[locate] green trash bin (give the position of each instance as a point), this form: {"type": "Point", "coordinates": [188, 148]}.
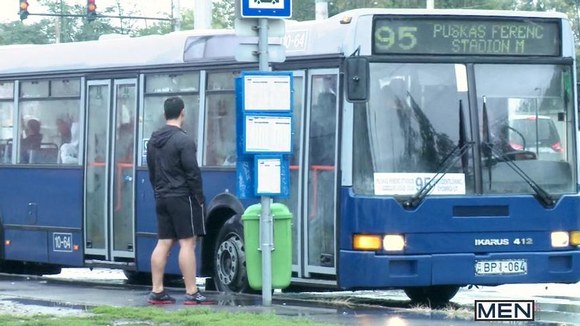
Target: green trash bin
{"type": "Point", "coordinates": [282, 253]}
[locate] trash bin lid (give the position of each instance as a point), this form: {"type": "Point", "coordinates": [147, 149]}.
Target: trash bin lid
{"type": "Point", "coordinates": [279, 212]}
{"type": "Point", "coordinates": [253, 212]}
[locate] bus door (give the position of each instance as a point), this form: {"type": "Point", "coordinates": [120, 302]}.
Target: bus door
{"type": "Point", "coordinates": [110, 169]}
{"type": "Point", "coordinates": [320, 175]}
{"type": "Point", "coordinates": [293, 201]}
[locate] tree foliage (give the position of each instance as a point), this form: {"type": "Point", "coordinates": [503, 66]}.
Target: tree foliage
{"type": "Point", "coordinates": [75, 29]}
{"type": "Point", "coordinates": [223, 14]}
{"type": "Point", "coordinates": [18, 33]}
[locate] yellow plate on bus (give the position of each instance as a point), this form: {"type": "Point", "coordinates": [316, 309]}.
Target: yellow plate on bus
{"type": "Point", "coordinates": [501, 267]}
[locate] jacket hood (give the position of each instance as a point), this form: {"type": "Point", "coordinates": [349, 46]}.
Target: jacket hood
{"type": "Point", "coordinates": [160, 137]}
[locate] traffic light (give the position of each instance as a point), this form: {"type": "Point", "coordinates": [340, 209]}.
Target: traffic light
{"type": "Point", "coordinates": [23, 13]}
{"type": "Point", "coordinates": [91, 10]}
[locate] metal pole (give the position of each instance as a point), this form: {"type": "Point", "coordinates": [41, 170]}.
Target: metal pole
{"type": "Point", "coordinates": [266, 226]}
{"type": "Point", "coordinates": [321, 9]}
{"type": "Point", "coordinates": [176, 15]}
{"type": "Point", "coordinates": [60, 24]}
{"type": "Point", "coordinates": [263, 45]}
{"type": "Point", "coordinates": [202, 14]}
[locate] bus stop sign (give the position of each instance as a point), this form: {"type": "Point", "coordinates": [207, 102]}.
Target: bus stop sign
{"type": "Point", "coordinates": [266, 9]}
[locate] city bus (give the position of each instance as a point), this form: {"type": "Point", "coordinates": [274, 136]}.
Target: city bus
{"type": "Point", "coordinates": [408, 170]}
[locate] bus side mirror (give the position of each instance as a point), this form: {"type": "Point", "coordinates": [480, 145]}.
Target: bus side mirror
{"type": "Point", "coordinates": [357, 79]}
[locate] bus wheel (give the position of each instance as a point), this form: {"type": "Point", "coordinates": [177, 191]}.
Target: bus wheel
{"type": "Point", "coordinates": [435, 295]}
{"type": "Point", "coordinates": [230, 261]}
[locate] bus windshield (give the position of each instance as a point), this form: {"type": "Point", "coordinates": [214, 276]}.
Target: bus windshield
{"type": "Point", "coordinates": [418, 114]}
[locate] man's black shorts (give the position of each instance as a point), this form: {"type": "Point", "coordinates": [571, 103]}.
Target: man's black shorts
{"type": "Point", "coordinates": [179, 218]}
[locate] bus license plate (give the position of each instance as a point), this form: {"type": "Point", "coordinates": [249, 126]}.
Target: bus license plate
{"type": "Point", "coordinates": [501, 267]}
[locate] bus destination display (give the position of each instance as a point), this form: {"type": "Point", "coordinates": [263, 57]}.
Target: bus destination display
{"type": "Point", "coordinates": [470, 36]}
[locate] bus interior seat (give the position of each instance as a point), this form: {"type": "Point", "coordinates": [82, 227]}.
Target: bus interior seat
{"type": "Point", "coordinates": [46, 154]}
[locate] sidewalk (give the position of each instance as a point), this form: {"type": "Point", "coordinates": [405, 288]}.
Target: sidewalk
{"type": "Point", "coordinates": [60, 297]}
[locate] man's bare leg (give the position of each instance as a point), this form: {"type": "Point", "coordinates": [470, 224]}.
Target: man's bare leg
{"type": "Point", "coordinates": [158, 262]}
{"type": "Point", "coordinates": [187, 263]}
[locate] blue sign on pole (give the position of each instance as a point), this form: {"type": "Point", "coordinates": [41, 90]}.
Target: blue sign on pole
{"type": "Point", "coordinates": [266, 8]}
{"type": "Point", "coordinates": [263, 134]}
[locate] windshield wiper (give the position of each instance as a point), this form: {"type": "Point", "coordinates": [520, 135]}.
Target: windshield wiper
{"type": "Point", "coordinates": [541, 195]}
{"type": "Point", "coordinates": [458, 152]}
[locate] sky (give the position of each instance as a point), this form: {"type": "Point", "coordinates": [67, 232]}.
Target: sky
{"type": "Point", "coordinates": [148, 8]}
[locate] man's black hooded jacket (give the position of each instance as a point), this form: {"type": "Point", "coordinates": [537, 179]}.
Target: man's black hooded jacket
{"type": "Point", "coordinates": [172, 163]}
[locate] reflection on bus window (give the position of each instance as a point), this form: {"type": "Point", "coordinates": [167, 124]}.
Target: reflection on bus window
{"type": "Point", "coordinates": [530, 118]}
{"type": "Point", "coordinates": [411, 124]}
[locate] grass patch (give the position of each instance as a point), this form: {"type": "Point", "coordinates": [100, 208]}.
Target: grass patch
{"type": "Point", "coordinates": [449, 311]}
{"type": "Point", "coordinates": [156, 316]}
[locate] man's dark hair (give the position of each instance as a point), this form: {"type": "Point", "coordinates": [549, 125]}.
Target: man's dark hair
{"type": "Point", "coordinates": [173, 107]}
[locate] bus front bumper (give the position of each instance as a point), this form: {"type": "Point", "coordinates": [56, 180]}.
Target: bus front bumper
{"type": "Point", "coordinates": [367, 270]}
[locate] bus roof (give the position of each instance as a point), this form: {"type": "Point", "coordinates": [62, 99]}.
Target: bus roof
{"type": "Point", "coordinates": [452, 12]}
{"type": "Point", "coordinates": [321, 37]}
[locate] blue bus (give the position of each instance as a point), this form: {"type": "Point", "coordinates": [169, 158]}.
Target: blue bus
{"type": "Point", "coordinates": [432, 150]}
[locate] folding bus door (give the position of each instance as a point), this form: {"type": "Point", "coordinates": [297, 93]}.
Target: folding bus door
{"type": "Point", "coordinates": [320, 175]}
{"type": "Point", "coordinates": [110, 169]}
{"type": "Point", "coordinates": [293, 201]}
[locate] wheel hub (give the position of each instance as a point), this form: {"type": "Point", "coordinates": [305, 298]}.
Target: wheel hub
{"type": "Point", "coordinates": [227, 261]}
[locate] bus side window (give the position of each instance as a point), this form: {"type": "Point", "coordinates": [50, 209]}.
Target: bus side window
{"type": "Point", "coordinates": [219, 147]}
{"type": "Point", "coordinates": [159, 87]}
{"type": "Point", "coordinates": [322, 133]}
{"type": "Point", "coordinates": [220, 131]}
{"type": "Point", "coordinates": [48, 109]}
{"type": "Point", "coordinates": [6, 121]}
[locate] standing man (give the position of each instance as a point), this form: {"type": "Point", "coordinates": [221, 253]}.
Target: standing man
{"type": "Point", "coordinates": [176, 180]}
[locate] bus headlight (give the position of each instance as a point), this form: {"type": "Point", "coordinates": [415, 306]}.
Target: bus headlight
{"type": "Point", "coordinates": [560, 239]}
{"type": "Point", "coordinates": [393, 242]}
{"type": "Point", "coordinates": [366, 242]}
{"type": "Point", "coordinates": [575, 238]}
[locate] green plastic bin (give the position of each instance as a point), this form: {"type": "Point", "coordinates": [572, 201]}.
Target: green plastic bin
{"type": "Point", "coordinates": [282, 253]}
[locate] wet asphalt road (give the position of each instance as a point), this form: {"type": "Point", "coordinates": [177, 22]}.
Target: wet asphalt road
{"type": "Point", "coordinates": [557, 304]}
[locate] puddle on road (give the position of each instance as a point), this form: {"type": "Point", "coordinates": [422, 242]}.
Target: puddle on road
{"type": "Point", "coordinates": [569, 308]}
{"type": "Point", "coordinates": [46, 303]}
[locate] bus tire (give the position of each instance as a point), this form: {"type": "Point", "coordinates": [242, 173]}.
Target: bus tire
{"type": "Point", "coordinates": [434, 295]}
{"type": "Point", "coordinates": [229, 268]}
